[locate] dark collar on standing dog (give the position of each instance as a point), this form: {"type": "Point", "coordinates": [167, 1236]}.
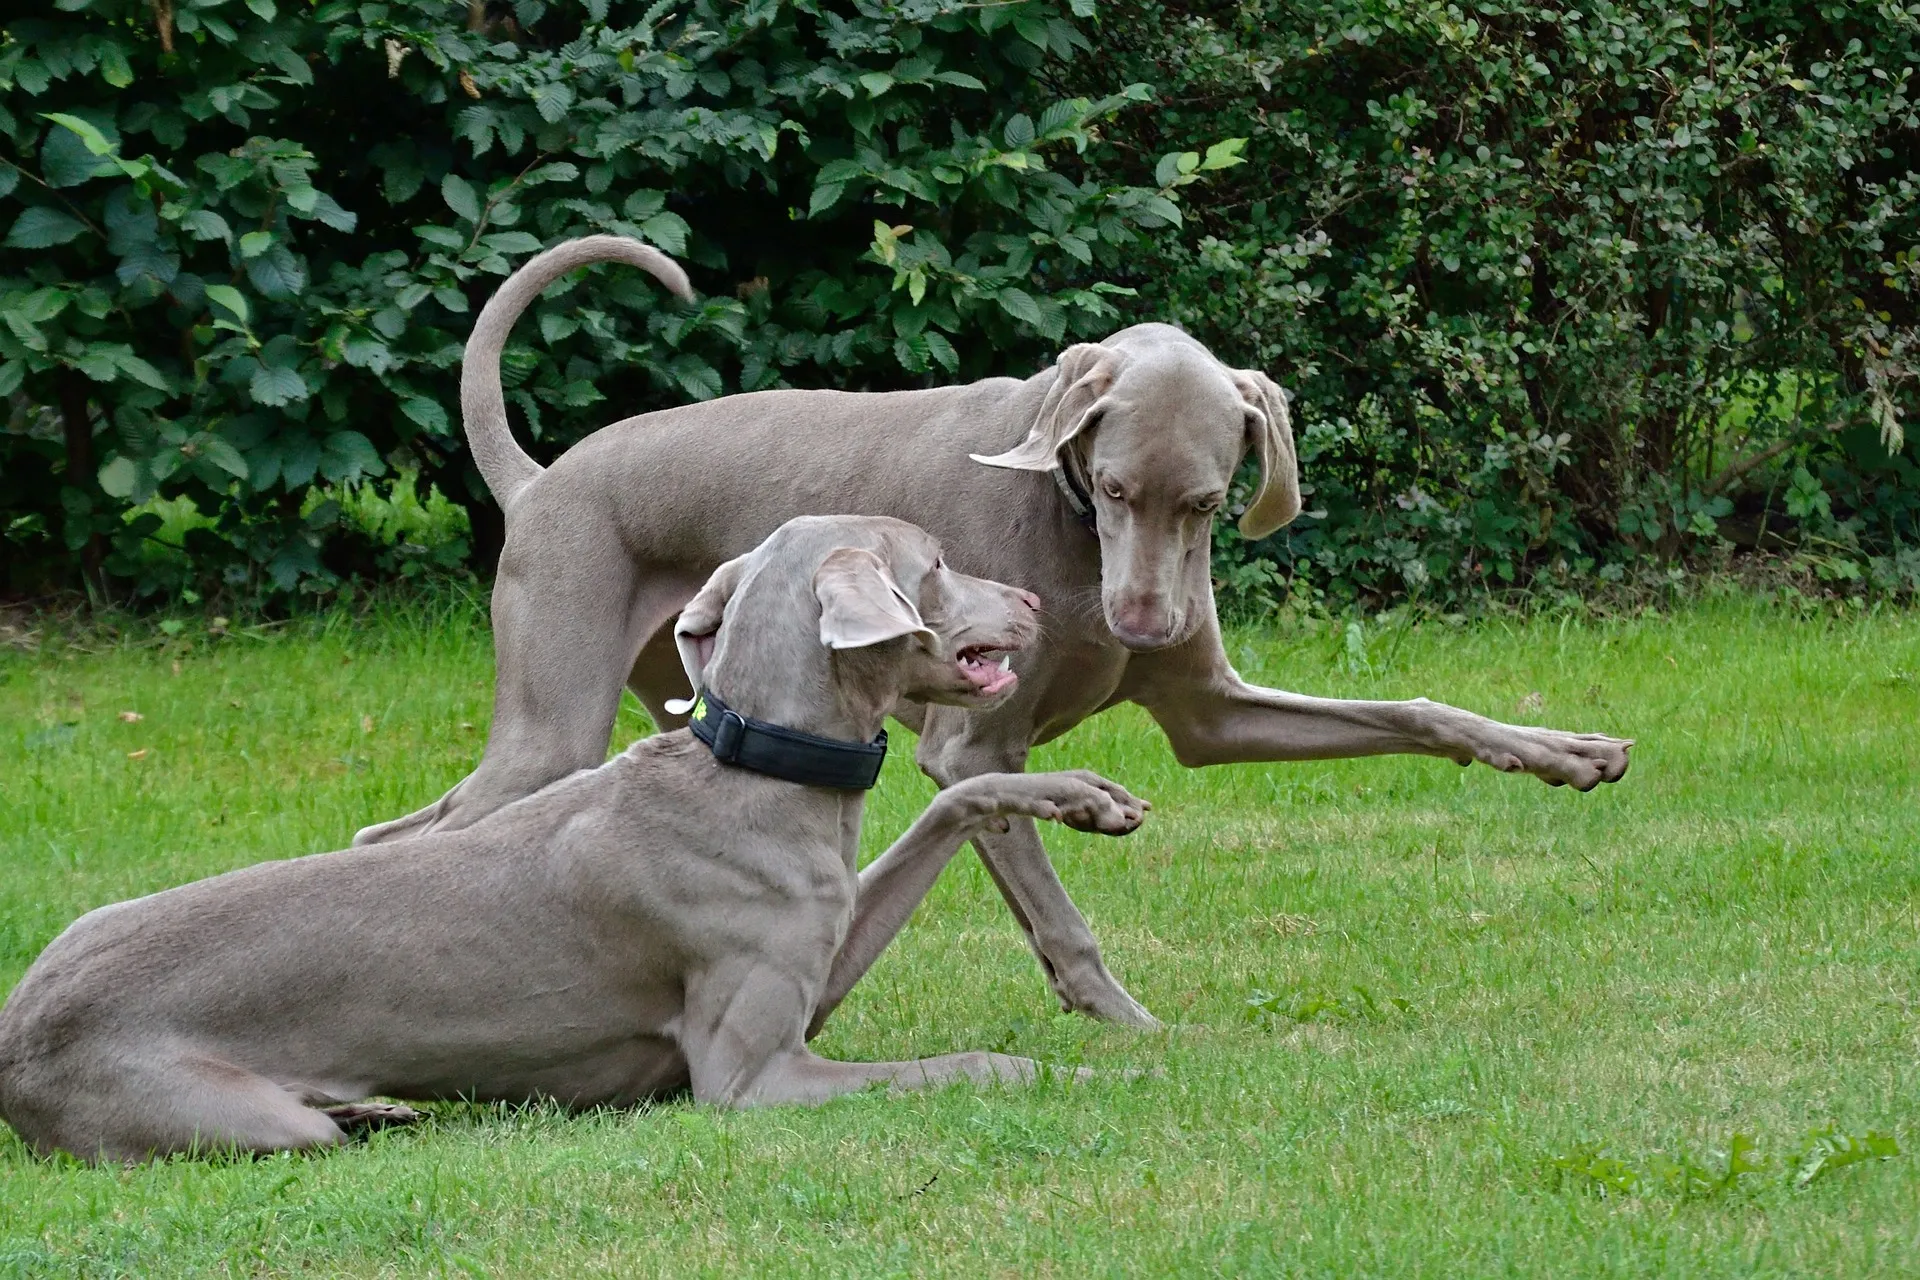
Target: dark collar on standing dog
{"type": "Point", "coordinates": [783, 753]}
{"type": "Point", "coordinates": [1079, 501]}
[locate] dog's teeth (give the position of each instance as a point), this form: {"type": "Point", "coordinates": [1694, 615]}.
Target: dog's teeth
{"type": "Point", "coordinates": [1006, 663]}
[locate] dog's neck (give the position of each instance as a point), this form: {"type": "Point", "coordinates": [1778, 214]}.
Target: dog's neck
{"type": "Point", "coordinates": [801, 686]}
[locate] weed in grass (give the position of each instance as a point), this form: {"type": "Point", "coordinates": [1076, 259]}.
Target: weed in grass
{"type": "Point", "coordinates": [1827, 1150]}
{"type": "Point", "coordinates": [1591, 1166]}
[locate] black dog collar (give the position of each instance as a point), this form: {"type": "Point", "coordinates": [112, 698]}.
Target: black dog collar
{"type": "Point", "coordinates": [787, 754]}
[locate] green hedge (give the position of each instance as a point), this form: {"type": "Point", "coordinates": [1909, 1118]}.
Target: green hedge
{"type": "Point", "coordinates": [1562, 291]}
{"type": "Point", "coordinates": [245, 241]}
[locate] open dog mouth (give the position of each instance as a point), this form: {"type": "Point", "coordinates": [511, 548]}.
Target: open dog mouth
{"type": "Point", "coordinates": [988, 669]}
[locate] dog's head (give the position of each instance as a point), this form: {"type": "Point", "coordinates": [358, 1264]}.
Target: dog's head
{"type": "Point", "coordinates": [1153, 426]}
{"type": "Point", "coordinates": [847, 615]}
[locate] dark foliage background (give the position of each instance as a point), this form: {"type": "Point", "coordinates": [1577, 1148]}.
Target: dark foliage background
{"type": "Point", "coordinates": [1565, 290]}
{"type": "Point", "coordinates": [1565, 293]}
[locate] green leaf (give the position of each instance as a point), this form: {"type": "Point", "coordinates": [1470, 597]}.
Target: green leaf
{"type": "Point", "coordinates": [277, 273]}
{"type": "Point", "coordinates": [1019, 304]}
{"type": "Point", "coordinates": [668, 230]}
{"type": "Point", "coordinates": [113, 65]}
{"type": "Point", "coordinates": [255, 243]}
{"type": "Point", "coordinates": [512, 242]}
{"type": "Point", "coordinates": [43, 304]}
{"type": "Point", "coordinates": [292, 64]}
{"type": "Point", "coordinates": [327, 211]}
{"type": "Point", "coordinates": [401, 175]}
{"type": "Point", "coordinates": [442, 237]}
{"type": "Point", "coordinates": [274, 387]}
{"type": "Point", "coordinates": [960, 79]}
{"type": "Point", "coordinates": [825, 196]}
{"type": "Point", "coordinates": [876, 82]}
{"type": "Point", "coordinates": [67, 161]}
{"type": "Point", "coordinates": [942, 350]}
{"type": "Point", "coordinates": [100, 360]}
{"type": "Point", "coordinates": [460, 197]}
{"type": "Point", "coordinates": [1224, 154]}
{"type": "Point", "coordinates": [262, 8]}
{"type": "Point", "coordinates": [230, 298]}
{"type": "Point", "coordinates": [551, 100]}
{"type": "Point", "coordinates": [12, 374]}
{"type": "Point", "coordinates": [1018, 133]}
{"type": "Point", "coordinates": [345, 456]}
{"type": "Point", "coordinates": [299, 458]}
{"type": "Point", "coordinates": [367, 353]}
{"type": "Point", "coordinates": [140, 371]}
{"type": "Point", "coordinates": [1163, 208]}
{"type": "Point", "coordinates": [90, 137]}
{"type": "Point", "coordinates": [204, 224]}
{"type": "Point", "coordinates": [118, 476]}
{"type": "Point", "coordinates": [698, 378]}
{"type": "Point", "coordinates": [426, 413]}
{"type": "Point", "coordinates": [221, 453]}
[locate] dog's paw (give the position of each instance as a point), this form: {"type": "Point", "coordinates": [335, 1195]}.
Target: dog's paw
{"type": "Point", "coordinates": [1580, 760]}
{"type": "Point", "coordinates": [1086, 801]}
{"type": "Point", "coordinates": [365, 1117]}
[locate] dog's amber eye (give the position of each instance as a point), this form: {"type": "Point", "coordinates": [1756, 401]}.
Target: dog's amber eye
{"type": "Point", "coordinates": [1112, 489]}
{"type": "Point", "coordinates": [1207, 505]}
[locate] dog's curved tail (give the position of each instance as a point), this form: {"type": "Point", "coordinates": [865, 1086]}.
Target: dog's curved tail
{"type": "Point", "coordinates": [483, 402]}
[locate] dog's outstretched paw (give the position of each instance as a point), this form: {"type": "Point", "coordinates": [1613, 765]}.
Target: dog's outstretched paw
{"type": "Point", "coordinates": [358, 1118]}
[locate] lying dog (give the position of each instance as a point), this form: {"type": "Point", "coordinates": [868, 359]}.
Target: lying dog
{"type": "Point", "coordinates": [663, 920]}
{"type": "Point", "coordinates": [1095, 483]}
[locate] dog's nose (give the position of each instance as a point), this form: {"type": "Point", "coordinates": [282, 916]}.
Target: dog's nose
{"type": "Point", "coordinates": [1029, 599]}
{"type": "Point", "coordinates": [1143, 623]}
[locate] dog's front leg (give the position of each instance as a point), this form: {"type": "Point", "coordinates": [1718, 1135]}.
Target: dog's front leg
{"type": "Point", "coordinates": [1212, 716]}
{"type": "Point", "coordinates": [741, 1033]}
{"type": "Point", "coordinates": [894, 884]}
{"type": "Point", "coordinates": [1017, 861]}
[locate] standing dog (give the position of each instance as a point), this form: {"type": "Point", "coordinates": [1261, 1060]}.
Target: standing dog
{"type": "Point", "coordinates": [663, 920]}
{"type": "Point", "coordinates": [1094, 483]}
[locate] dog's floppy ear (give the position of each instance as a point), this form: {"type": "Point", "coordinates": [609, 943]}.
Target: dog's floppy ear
{"type": "Point", "coordinates": [699, 622]}
{"type": "Point", "coordinates": [860, 604]}
{"type": "Point", "coordinates": [1087, 371]}
{"type": "Point", "coordinates": [1270, 429]}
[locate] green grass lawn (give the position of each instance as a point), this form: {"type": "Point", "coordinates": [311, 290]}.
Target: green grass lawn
{"type": "Point", "coordinates": [1426, 1020]}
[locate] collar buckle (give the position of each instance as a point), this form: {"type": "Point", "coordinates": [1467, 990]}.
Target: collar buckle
{"type": "Point", "coordinates": [727, 736]}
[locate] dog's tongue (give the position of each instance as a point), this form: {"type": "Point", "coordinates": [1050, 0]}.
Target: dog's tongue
{"type": "Point", "coordinates": [986, 675]}
{"type": "Point", "coordinates": [1000, 680]}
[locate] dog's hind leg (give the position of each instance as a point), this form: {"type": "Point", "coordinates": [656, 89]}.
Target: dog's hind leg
{"type": "Point", "coordinates": [137, 1106]}
{"type": "Point", "coordinates": [658, 675]}
{"type": "Point", "coordinates": [568, 623]}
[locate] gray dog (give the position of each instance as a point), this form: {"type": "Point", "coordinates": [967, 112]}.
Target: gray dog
{"type": "Point", "coordinates": [660, 921]}
{"type": "Point", "coordinates": [1094, 483]}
